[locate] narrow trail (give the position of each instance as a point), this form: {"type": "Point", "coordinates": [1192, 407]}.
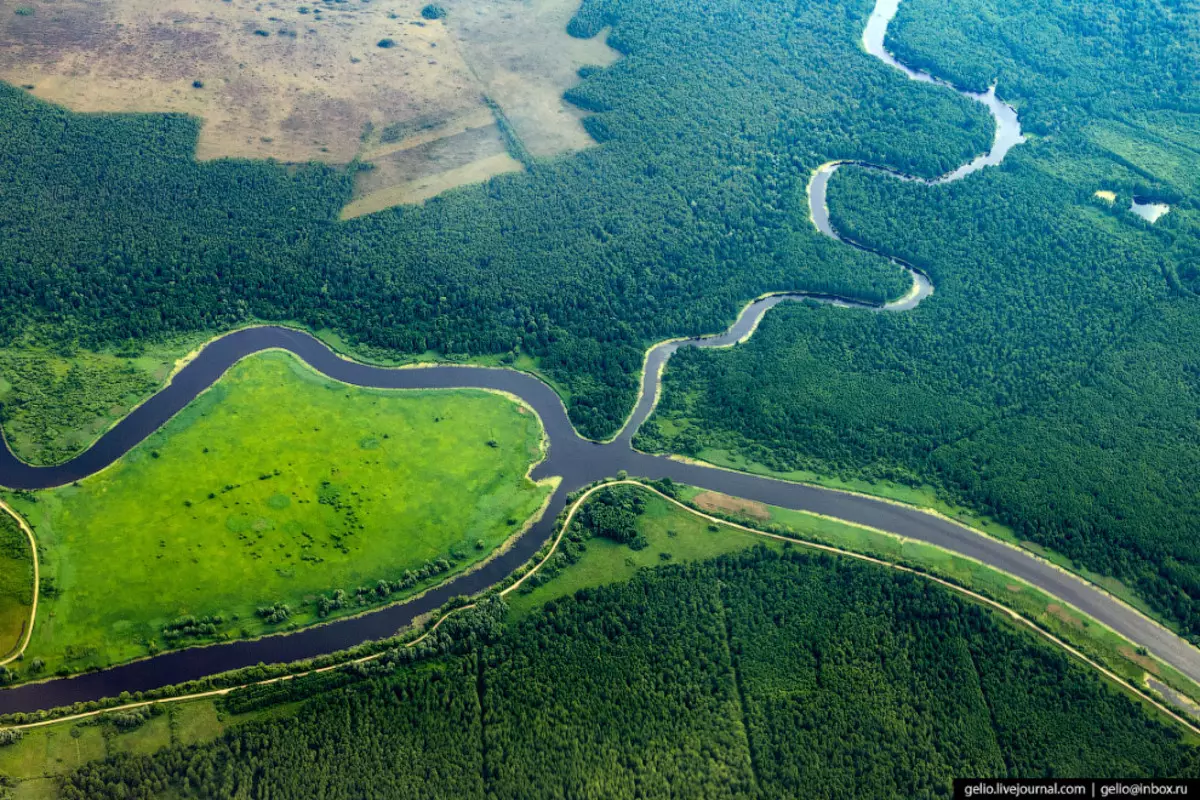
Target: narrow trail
{"type": "Point", "coordinates": [577, 461]}
{"type": "Point", "coordinates": [575, 507]}
{"type": "Point", "coordinates": [26, 634]}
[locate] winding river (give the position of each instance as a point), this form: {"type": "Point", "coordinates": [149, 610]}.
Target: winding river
{"type": "Point", "coordinates": [576, 460]}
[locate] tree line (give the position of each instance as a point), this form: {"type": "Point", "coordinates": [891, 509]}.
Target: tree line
{"type": "Point", "coordinates": [110, 231]}
{"type": "Point", "coordinates": [755, 675]}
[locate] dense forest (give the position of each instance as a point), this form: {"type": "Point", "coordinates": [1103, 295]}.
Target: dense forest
{"type": "Point", "coordinates": [1052, 379]}
{"type": "Point", "coordinates": [754, 675]}
{"type": "Point", "coordinates": [710, 126]}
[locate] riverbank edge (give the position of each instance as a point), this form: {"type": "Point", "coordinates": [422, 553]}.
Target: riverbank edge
{"type": "Point", "coordinates": [549, 483]}
{"type": "Point", "coordinates": [516, 579]}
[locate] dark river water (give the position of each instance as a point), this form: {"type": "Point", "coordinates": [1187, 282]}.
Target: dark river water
{"type": "Point", "coordinates": [578, 461]}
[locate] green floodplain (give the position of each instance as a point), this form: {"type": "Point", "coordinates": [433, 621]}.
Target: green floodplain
{"type": "Point", "coordinates": [624, 543]}
{"type": "Point", "coordinates": [273, 490]}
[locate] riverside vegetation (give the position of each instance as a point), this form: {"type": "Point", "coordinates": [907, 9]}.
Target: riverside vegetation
{"type": "Point", "coordinates": [16, 584]}
{"type": "Point", "coordinates": [277, 498]}
{"type": "Point", "coordinates": [782, 670]}
{"type": "Point", "coordinates": [757, 644]}
{"type": "Point", "coordinates": [760, 673]}
{"type": "Point", "coordinates": [694, 202]}
{"type": "Point", "coordinates": [1051, 381]}
{"type": "Point", "coordinates": [1054, 351]}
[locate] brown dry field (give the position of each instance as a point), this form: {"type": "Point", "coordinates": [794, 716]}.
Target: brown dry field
{"type": "Point", "coordinates": [316, 86]}
{"type": "Point", "coordinates": [715, 501]}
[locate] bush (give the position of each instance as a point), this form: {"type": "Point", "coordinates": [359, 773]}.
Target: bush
{"type": "Point", "coordinates": [275, 614]}
{"type": "Point", "coordinates": [433, 11]}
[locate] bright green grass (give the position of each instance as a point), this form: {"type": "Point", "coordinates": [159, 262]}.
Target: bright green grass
{"type": "Point", "coordinates": [16, 584]}
{"type": "Point", "coordinates": [52, 750]}
{"type": "Point", "coordinates": [57, 749]}
{"type": "Point", "coordinates": [667, 528]}
{"type": "Point", "coordinates": [1089, 637]}
{"type": "Point", "coordinates": [153, 734]}
{"type": "Point", "coordinates": [277, 485]}
{"type": "Point", "coordinates": [196, 721]}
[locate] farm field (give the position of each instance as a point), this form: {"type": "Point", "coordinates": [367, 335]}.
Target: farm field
{"type": "Point", "coordinates": [275, 488]}
{"type": "Point", "coordinates": [331, 82]}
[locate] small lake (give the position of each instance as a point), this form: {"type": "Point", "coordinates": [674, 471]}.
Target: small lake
{"type": "Point", "coordinates": [1147, 210]}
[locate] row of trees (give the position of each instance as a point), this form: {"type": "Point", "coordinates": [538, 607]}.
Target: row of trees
{"type": "Point", "coordinates": [756, 675]}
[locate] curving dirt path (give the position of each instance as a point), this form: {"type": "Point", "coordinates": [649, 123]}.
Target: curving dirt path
{"type": "Point", "coordinates": [28, 632]}
{"type": "Point", "coordinates": [578, 504]}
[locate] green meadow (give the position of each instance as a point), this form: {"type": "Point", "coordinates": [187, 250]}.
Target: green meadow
{"type": "Point", "coordinates": [672, 535]}
{"type": "Point", "coordinates": [42, 754]}
{"type": "Point", "coordinates": [275, 488]}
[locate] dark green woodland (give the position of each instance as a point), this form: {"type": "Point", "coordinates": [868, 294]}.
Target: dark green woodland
{"type": "Point", "coordinates": [755, 675]}
{"type": "Point", "coordinates": [1052, 380]}
{"type": "Point", "coordinates": [710, 126]}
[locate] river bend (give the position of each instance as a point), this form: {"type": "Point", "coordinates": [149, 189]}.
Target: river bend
{"type": "Point", "coordinates": [576, 460]}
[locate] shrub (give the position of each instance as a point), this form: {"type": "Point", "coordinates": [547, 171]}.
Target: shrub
{"type": "Point", "coordinates": [275, 614]}
{"type": "Point", "coordinates": [433, 11]}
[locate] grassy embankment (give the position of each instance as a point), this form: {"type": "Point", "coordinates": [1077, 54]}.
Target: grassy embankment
{"type": "Point", "coordinates": [277, 486]}
{"type": "Point", "coordinates": [687, 537]}
{"type": "Point", "coordinates": [924, 496]}
{"type": "Point", "coordinates": [16, 585]}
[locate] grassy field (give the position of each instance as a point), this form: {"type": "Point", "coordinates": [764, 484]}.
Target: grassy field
{"type": "Point", "coordinates": [16, 584]}
{"type": "Point", "coordinates": [43, 753]}
{"type": "Point", "coordinates": [277, 486]}
{"type": "Point", "coordinates": [672, 535]}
